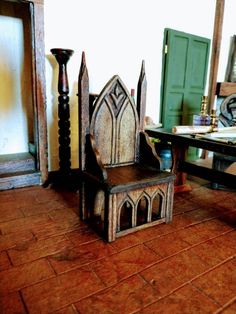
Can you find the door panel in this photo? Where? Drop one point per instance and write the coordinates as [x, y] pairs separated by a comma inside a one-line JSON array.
[[184, 72], [178, 62]]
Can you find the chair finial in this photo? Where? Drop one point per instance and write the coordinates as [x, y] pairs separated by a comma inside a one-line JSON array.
[[141, 95], [83, 57], [143, 68], [83, 109]]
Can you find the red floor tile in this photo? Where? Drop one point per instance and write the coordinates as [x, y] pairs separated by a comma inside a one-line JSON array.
[[6, 196], [126, 242], [229, 203], [229, 218], [230, 309], [56, 293], [204, 231], [12, 303], [162, 277], [182, 205], [51, 228], [36, 249], [192, 217], [167, 245], [183, 267], [9, 212], [67, 198], [4, 261], [228, 240], [126, 297], [24, 196], [214, 251], [115, 268], [63, 214], [36, 209], [77, 256], [187, 300], [153, 232], [82, 236], [23, 224], [13, 239], [213, 228], [16, 278], [220, 283], [67, 310]]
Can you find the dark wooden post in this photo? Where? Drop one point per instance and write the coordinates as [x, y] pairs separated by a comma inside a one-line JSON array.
[[216, 42], [62, 56]]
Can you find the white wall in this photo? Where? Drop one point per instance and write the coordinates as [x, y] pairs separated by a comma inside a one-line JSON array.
[[16, 101], [229, 29], [116, 36]]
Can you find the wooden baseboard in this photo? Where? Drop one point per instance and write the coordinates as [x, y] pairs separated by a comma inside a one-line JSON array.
[[19, 180], [12, 163]]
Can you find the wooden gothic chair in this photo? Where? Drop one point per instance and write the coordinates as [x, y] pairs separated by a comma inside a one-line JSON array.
[[123, 189]]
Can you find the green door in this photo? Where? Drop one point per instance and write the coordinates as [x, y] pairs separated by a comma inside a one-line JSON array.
[[184, 73]]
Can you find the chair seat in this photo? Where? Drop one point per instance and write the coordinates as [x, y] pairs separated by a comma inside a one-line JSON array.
[[126, 178], [135, 176]]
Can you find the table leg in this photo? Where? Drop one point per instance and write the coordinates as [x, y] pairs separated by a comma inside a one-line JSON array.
[[179, 153]]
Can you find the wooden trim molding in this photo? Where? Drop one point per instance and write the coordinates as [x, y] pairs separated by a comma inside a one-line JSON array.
[[40, 86]]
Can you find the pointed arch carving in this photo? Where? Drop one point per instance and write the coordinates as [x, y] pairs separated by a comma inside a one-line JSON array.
[[125, 219], [114, 110], [142, 210], [157, 205], [126, 132], [103, 139]]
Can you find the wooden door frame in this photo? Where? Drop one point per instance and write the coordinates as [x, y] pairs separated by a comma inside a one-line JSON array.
[[39, 95], [215, 51], [39, 85]]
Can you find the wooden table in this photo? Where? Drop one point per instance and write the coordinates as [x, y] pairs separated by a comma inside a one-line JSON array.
[[180, 144]]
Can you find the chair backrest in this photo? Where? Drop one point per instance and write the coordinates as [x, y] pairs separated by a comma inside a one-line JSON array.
[[114, 124], [112, 119]]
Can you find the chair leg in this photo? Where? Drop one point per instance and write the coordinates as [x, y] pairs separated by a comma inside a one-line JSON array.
[[169, 202], [110, 217], [82, 202]]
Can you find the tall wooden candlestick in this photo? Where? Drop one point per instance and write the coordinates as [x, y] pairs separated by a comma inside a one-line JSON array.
[[62, 56]]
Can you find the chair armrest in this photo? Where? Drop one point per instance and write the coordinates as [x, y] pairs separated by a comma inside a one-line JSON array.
[[147, 153], [94, 163]]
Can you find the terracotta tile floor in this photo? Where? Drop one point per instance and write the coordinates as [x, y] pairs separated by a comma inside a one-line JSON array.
[[51, 262]]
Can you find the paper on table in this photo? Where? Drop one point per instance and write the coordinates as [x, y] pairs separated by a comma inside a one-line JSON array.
[[191, 129], [222, 134], [194, 129], [227, 140], [226, 129]]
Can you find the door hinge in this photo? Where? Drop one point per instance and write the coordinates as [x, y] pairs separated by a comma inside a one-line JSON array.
[[166, 49]]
